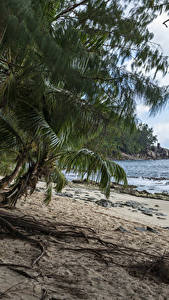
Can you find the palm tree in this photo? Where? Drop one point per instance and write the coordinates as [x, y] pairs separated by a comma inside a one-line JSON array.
[[59, 82], [47, 140]]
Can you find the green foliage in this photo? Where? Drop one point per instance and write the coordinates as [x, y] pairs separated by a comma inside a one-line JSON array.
[[7, 164], [117, 138], [145, 137], [63, 77], [91, 165]]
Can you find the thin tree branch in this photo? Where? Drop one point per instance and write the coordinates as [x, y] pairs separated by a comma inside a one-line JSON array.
[[164, 23], [160, 5], [69, 9], [99, 78]]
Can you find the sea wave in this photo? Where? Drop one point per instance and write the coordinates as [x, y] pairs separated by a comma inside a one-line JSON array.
[[151, 175]]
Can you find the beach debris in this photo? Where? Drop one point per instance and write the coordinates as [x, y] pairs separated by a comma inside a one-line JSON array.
[[90, 198], [121, 229], [104, 203], [161, 214], [147, 213], [134, 206], [142, 229], [69, 195], [147, 228], [154, 209], [138, 206], [151, 229]]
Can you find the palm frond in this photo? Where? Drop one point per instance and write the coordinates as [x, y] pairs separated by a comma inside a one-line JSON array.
[[91, 165], [58, 179], [9, 137], [32, 121]]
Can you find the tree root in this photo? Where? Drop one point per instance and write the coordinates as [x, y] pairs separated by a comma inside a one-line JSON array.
[[23, 273], [9, 265], [2, 294], [67, 237], [5, 224]]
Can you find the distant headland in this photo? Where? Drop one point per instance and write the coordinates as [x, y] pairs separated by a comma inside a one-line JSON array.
[[155, 152]]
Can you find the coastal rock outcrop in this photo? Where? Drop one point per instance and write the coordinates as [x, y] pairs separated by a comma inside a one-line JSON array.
[[158, 152], [155, 152]]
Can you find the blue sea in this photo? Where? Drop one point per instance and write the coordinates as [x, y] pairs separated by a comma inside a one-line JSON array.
[[149, 175]]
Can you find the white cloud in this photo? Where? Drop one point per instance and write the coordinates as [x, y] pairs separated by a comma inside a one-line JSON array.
[[159, 123], [141, 109], [160, 32], [162, 132]]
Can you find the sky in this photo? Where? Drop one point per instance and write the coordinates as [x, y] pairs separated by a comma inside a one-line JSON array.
[[160, 122]]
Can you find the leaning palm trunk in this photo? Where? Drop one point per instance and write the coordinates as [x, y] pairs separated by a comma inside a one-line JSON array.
[[20, 188], [8, 179], [25, 185]]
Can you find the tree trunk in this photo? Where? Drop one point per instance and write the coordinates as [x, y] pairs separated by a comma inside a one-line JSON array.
[[26, 183], [8, 179]]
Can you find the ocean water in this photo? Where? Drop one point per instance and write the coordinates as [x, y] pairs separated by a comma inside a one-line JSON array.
[[149, 175]]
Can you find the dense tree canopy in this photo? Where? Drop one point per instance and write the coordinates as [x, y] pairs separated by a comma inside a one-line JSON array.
[[117, 138], [63, 75]]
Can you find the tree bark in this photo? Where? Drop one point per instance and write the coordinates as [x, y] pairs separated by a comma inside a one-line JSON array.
[[8, 179]]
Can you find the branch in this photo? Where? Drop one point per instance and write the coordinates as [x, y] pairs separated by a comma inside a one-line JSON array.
[[160, 5], [164, 23], [151, 6], [99, 78], [69, 9]]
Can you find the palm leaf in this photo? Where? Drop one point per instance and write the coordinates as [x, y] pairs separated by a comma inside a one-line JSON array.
[[9, 137], [32, 121], [59, 179], [91, 165]]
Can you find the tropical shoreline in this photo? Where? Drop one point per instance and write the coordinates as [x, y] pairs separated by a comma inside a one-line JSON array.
[[69, 269], [129, 189], [146, 208]]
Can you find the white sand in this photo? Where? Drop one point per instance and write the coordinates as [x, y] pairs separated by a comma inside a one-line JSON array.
[[80, 191]]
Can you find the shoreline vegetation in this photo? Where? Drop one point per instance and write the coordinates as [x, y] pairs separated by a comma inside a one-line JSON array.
[[120, 142], [136, 141]]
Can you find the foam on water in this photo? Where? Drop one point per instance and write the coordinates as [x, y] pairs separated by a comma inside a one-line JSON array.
[[149, 175]]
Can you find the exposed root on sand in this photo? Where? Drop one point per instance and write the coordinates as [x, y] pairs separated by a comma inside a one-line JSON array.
[[84, 240]]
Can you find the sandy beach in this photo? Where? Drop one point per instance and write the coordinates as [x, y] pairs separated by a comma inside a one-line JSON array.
[[67, 274], [89, 195]]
